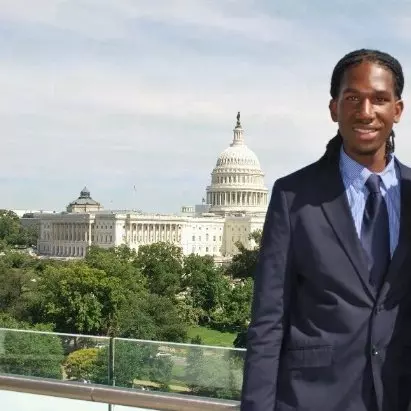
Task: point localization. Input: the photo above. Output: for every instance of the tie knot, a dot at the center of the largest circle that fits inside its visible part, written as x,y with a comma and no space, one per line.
373,183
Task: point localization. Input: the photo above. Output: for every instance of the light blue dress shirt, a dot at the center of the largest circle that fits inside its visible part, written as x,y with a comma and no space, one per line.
355,175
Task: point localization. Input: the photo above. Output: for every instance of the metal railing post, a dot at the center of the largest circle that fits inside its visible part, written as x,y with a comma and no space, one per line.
111,376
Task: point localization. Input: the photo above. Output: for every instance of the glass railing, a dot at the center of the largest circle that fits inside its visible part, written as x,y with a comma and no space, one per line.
196,370
50,355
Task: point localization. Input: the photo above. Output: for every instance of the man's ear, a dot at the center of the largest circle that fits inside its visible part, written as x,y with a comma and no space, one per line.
399,108
333,110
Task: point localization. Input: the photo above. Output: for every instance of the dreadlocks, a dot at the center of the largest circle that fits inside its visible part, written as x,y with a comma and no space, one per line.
355,58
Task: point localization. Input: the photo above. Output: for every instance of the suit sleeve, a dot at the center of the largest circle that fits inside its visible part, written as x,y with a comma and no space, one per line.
269,308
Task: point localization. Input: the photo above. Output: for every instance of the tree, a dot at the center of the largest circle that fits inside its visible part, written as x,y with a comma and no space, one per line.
79,299
161,264
216,374
9,225
195,359
133,360
244,263
79,364
30,354
18,277
13,233
207,287
238,305
152,317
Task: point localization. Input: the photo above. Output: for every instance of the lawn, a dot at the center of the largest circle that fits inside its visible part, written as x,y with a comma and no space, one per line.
212,337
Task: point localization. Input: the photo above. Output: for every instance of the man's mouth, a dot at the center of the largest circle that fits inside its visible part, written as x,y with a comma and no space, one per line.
363,130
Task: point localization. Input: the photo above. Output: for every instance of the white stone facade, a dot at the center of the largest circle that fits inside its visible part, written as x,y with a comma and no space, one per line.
236,206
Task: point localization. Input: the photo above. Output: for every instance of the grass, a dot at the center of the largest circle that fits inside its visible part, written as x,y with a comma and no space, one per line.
212,337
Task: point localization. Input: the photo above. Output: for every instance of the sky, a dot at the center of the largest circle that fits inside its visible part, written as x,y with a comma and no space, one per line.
117,94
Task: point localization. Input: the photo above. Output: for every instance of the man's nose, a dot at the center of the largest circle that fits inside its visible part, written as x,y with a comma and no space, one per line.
365,110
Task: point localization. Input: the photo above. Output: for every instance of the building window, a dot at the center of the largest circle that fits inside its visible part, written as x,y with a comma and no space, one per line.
206,249
194,237
214,237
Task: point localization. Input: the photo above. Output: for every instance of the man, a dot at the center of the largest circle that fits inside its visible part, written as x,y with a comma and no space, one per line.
329,328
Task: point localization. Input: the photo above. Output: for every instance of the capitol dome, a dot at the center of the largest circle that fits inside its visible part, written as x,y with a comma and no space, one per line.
237,181
240,155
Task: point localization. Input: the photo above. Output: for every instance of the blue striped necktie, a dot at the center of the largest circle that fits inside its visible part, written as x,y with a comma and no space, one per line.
375,234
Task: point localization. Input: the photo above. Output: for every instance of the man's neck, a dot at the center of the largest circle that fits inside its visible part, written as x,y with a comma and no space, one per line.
375,162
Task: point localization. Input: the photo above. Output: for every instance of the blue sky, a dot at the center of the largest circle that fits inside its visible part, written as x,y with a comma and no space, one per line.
120,93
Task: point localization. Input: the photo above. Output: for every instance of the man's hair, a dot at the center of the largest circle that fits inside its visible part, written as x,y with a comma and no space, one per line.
355,58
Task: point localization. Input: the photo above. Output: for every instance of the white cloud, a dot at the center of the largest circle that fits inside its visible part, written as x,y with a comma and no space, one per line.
155,108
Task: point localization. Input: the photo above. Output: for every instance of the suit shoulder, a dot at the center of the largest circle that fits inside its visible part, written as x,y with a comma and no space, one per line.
306,176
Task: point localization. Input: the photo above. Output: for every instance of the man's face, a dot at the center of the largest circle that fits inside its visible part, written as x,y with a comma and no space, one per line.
366,109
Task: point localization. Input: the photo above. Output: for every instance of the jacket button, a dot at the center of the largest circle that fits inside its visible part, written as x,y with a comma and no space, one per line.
374,351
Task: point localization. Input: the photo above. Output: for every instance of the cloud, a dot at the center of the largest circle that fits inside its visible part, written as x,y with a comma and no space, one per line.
113,94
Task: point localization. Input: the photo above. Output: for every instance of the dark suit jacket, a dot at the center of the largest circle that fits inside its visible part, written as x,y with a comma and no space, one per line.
320,337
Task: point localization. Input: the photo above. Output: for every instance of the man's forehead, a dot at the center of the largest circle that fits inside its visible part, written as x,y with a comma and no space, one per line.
375,76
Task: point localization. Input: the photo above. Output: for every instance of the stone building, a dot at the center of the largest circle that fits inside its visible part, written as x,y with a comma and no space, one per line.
236,204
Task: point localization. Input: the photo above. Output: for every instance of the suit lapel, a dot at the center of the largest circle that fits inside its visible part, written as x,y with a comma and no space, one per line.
404,240
336,209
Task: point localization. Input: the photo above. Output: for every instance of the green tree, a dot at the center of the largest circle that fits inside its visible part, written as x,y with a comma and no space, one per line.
195,359
18,277
237,309
244,263
206,285
133,361
214,374
152,317
162,265
79,299
80,364
13,233
9,224
30,354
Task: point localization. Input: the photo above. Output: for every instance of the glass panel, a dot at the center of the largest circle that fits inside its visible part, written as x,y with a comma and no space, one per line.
51,355
205,371
182,368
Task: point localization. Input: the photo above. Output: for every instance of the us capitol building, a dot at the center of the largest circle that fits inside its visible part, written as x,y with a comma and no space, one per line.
235,205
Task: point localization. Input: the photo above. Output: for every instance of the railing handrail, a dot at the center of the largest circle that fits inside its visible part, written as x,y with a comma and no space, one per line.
180,344
113,395
101,337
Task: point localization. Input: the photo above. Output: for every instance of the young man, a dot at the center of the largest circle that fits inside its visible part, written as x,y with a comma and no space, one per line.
330,327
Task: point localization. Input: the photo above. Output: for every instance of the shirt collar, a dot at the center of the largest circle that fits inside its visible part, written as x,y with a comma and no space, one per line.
356,174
